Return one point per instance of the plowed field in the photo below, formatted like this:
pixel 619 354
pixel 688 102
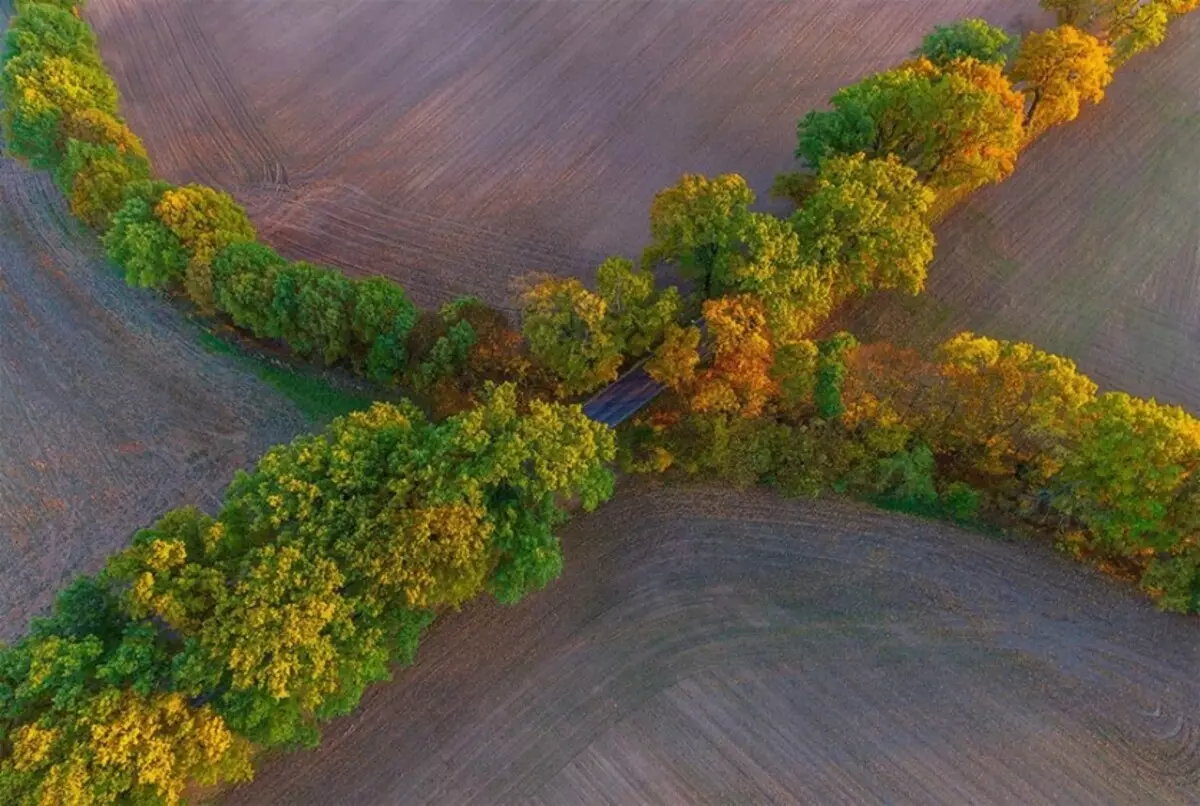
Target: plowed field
pixel 708 647
pixel 1092 248
pixel 456 144
pixel 110 410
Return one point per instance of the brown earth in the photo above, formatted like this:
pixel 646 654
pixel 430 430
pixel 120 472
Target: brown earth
pixel 708 646
pixel 457 145
pixel 111 412
pixel 1092 248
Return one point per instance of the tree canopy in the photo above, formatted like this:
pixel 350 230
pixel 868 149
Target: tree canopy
pixel 969 38
pixel 1058 69
pixel 866 224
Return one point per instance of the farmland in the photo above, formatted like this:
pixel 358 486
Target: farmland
pixel 703 645
pixel 708 646
pixel 110 409
pixel 458 145
pixel 1092 248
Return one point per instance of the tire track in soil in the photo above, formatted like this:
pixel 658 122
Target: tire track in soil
pixel 711 646
pixel 211 134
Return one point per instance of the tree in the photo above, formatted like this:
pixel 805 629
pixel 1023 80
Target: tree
pixel 1129 26
pixel 969 38
pixel 205 221
pixel 705 227
pixel 637 314
pixel 739 380
pixel 311 310
pixel 866 224
pixel 1007 408
pixel 122 747
pixel 244 276
pixel 697 225
pixel 1058 70
pixel 1135 26
pixel 139 243
pixel 567 329
pixel 1129 461
pixel 39 92
pixel 675 361
pixel 958 127
pixel 831 374
pixel 100 128
pixel 45 30
pixel 382 319
pixel 94 178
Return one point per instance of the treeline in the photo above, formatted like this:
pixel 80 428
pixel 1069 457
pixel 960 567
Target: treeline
pixel 985 431
pixel 61 115
pixel 892 153
pixel 982 431
pixel 210 635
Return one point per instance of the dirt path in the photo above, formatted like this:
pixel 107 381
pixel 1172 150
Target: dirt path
pixel 706 646
pixel 110 410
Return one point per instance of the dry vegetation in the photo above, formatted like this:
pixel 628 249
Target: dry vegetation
pixel 110 410
pixel 707 646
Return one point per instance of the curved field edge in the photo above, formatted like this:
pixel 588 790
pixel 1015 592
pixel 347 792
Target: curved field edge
pixel 709 646
pixel 111 410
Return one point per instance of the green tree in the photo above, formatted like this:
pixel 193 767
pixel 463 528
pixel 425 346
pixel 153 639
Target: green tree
pixel 311 310
pixel 1058 70
pixel 568 331
pixel 150 254
pixel 244 276
pixel 706 228
pixel 1129 461
pixel 382 319
pixel 637 314
pixel 94 178
pixel 45 30
pixel 39 92
pixel 866 224
pixel 205 221
pixel 957 127
pixel 697 225
pixel 969 38
pixel 831 374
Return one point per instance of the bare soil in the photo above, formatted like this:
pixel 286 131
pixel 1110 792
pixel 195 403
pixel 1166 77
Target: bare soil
pixel 709 646
pixel 457 145
pixel 1092 248
pixel 111 412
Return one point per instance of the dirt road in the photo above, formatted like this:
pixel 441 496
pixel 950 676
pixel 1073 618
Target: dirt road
pixel 707 646
pixel 111 412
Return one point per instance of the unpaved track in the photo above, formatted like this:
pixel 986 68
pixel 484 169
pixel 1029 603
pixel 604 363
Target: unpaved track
pixel 707 646
pixel 457 144
pixel 111 412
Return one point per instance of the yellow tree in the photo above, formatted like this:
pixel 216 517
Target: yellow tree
pixel 568 332
pixel 1058 70
pixel 122 747
pixel 740 379
pixel 1004 404
pixel 205 221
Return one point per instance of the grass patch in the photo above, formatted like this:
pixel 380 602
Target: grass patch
pixel 317 399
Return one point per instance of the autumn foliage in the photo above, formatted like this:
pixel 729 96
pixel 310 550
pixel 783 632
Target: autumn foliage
pixel 322 568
